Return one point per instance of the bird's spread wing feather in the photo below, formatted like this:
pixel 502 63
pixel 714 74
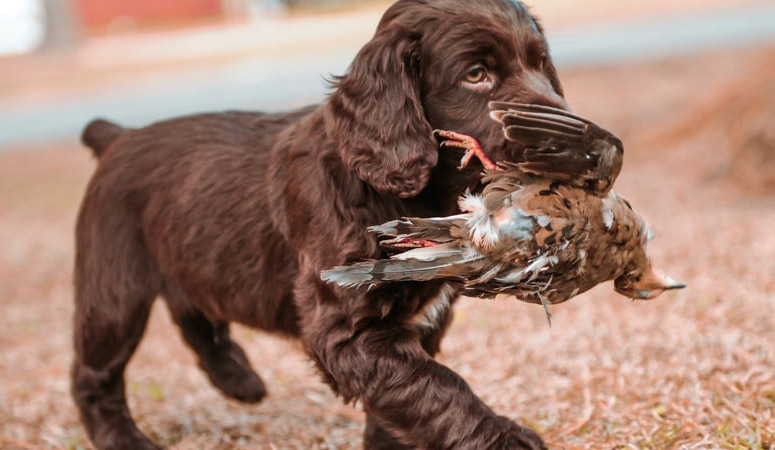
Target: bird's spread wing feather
pixel 562 146
pixel 408 229
pixel 423 264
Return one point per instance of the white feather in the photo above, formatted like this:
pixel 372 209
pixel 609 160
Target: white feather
pixel 483 231
pixel 471 202
pixel 543 221
pixel 608 216
pixel 534 268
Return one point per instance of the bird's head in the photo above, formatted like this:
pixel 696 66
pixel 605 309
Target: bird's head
pixel 641 280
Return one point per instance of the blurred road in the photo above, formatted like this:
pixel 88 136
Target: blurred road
pixel 278 82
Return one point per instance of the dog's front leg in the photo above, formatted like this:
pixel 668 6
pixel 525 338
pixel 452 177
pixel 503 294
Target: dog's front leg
pixel 375 437
pixel 368 351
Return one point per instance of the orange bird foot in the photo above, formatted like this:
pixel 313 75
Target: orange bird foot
pixel 467 143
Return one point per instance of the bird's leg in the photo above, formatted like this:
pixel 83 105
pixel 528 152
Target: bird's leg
pixel 467 143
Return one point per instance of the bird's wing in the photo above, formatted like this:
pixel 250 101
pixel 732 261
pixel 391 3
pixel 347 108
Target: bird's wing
pixel 444 261
pixel 416 232
pixel 562 146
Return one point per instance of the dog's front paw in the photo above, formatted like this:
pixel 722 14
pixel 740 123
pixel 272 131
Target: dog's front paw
pixel 516 437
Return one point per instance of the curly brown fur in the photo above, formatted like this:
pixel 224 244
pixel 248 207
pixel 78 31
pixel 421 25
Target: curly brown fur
pixel 231 217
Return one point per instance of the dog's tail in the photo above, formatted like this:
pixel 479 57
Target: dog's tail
pixel 99 134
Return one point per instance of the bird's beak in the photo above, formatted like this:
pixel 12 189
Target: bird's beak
pixel 676 285
pixel 651 285
pixel 666 283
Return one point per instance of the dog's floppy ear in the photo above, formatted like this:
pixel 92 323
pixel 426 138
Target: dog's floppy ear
pixel 377 119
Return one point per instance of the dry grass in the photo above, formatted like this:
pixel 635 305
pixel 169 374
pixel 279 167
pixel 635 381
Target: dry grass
pixel 694 369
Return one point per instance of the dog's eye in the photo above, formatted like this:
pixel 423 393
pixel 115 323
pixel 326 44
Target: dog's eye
pixel 476 75
pixel 543 60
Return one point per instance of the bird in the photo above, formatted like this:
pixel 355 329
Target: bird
pixel 544 229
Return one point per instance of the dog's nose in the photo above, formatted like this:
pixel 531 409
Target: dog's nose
pixel 552 100
pixel 541 92
pixel 495 105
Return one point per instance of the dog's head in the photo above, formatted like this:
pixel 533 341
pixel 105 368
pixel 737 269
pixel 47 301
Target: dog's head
pixel 436 64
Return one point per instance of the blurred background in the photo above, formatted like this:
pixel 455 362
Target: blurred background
pixel 689 86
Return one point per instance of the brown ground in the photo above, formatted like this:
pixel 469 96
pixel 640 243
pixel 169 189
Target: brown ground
pixel 693 369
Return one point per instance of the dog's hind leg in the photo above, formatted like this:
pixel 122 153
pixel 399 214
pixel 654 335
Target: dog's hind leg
pixel 115 286
pixel 218 355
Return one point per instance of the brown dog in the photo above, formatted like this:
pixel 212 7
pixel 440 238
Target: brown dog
pixel 232 217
